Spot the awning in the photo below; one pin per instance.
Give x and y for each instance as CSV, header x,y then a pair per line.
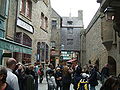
x,y
14,47
72,60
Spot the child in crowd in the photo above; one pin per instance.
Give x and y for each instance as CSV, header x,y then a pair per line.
x,y
51,80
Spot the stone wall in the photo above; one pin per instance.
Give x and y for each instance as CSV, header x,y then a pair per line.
x,y
39,34
95,50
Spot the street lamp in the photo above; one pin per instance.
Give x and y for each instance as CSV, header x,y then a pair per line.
x,y
109,13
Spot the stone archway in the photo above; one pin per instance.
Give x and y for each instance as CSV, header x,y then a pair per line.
x,y
112,65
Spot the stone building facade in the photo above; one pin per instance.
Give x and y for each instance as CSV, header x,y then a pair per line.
x,y
25,30
42,31
70,36
95,50
55,37
102,37
9,45
111,32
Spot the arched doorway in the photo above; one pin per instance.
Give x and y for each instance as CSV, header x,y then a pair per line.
x,y
112,65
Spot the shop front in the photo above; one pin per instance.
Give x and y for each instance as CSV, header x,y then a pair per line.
x,y
7,46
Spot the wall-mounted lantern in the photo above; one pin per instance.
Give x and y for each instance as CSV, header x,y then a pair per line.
x,y
109,13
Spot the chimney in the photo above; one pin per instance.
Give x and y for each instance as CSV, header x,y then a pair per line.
x,y
99,1
80,14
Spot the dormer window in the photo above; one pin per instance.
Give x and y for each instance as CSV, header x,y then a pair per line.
x,y
69,22
54,24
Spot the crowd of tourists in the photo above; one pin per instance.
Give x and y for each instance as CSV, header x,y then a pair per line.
x,y
16,76
82,78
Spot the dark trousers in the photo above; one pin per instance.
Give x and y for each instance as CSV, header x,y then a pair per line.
x,y
59,87
66,87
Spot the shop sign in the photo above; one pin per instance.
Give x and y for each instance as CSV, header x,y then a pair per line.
x,y
25,25
14,47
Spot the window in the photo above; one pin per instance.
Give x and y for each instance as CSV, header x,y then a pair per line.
x,y
47,49
54,24
26,58
27,40
53,44
69,22
23,39
43,51
69,41
26,8
18,37
44,22
70,30
3,7
38,51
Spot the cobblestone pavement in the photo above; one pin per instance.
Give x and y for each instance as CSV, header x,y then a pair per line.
x,y
43,86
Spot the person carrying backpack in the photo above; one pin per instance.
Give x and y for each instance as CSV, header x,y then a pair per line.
x,y
93,78
83,83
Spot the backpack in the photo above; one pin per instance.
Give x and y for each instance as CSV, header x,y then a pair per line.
x,y
39,72
83,85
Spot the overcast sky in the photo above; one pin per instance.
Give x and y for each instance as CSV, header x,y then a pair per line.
x,y
64,7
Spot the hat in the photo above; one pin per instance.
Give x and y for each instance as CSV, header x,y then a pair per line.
x,y
51,71
57,68
84,75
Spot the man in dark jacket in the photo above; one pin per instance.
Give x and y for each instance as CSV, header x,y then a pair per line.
x,y
105,73
93,78
77,70
58,78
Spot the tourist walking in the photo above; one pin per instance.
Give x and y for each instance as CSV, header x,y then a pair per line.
x,y
29,83
3,84
12,79
51,81
104,73
66,78
40,74
77,70
93,78
58,78
35,75
20,73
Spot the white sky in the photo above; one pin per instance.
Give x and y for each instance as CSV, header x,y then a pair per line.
x,y
64,7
